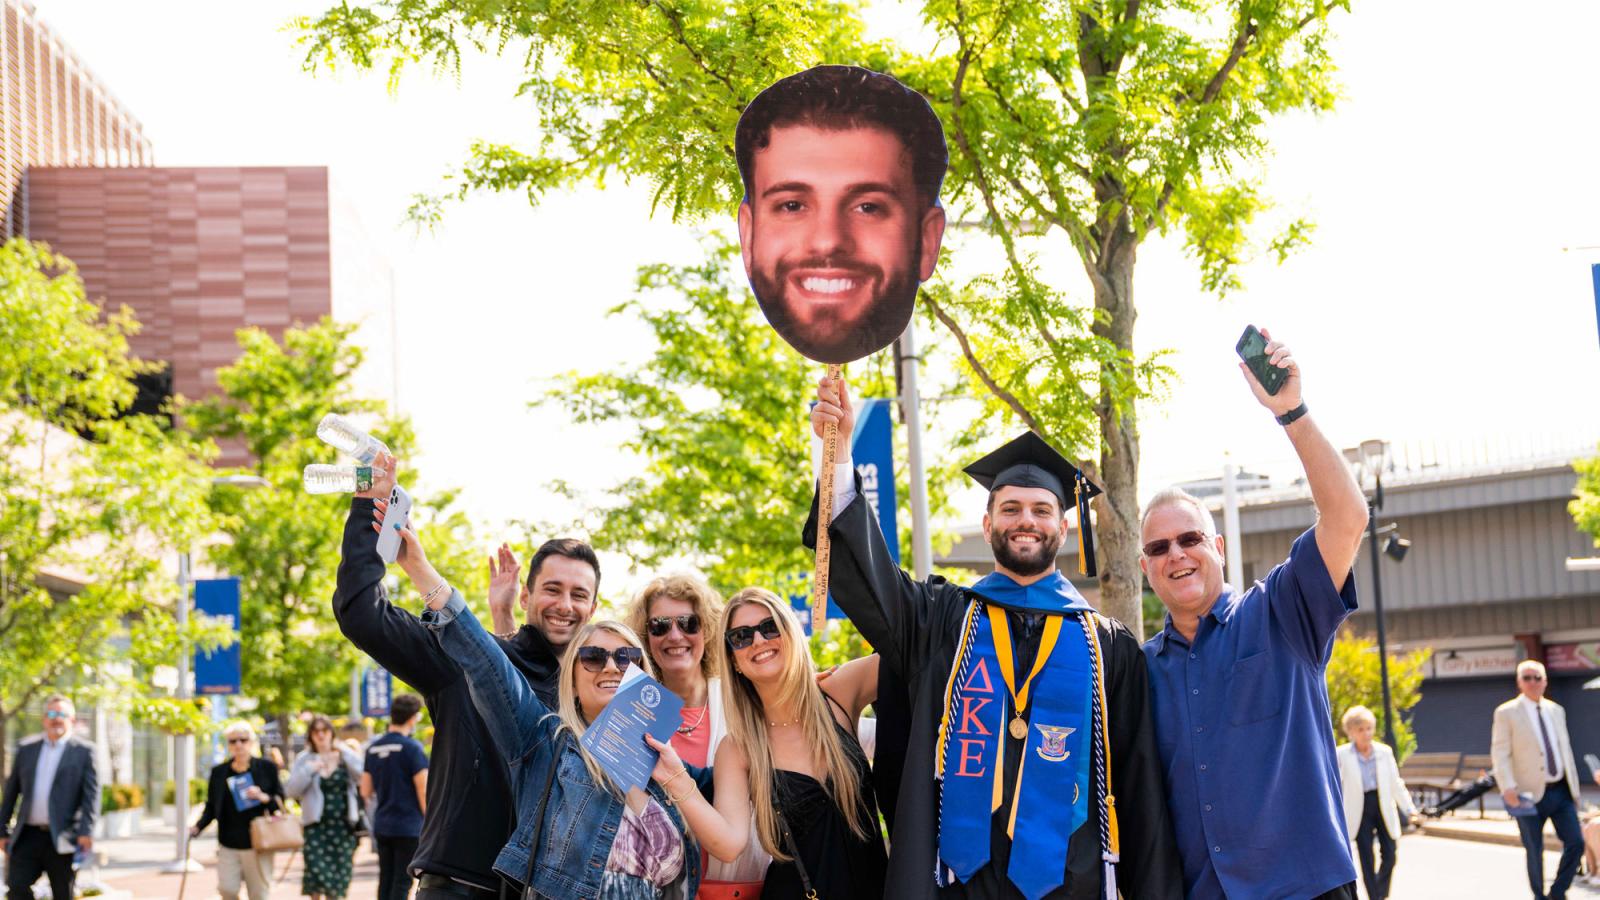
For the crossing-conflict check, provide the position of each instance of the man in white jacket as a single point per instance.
(1374, 798)
(1533, 758)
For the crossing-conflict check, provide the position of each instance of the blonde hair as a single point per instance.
(239, 726)
(1357, 714)
(693, 590)
(1177, 496)
(567, 694)
(797, 690)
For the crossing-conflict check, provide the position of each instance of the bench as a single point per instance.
(1431, 775)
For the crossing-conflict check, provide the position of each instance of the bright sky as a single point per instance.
(1437, 303)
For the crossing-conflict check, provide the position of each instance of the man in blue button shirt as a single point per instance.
(1237, 681)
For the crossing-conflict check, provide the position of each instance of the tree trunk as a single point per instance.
(1117, 510)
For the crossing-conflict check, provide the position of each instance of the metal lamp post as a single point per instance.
(183, 744)
(1373, 456)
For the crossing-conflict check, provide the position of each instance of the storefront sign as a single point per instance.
(1584, 657)
(1471, 663)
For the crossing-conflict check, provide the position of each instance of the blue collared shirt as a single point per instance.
(1242, 723)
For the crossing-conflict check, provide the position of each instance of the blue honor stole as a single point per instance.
(986, 701)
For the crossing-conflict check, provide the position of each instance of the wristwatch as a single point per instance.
(1292, 414)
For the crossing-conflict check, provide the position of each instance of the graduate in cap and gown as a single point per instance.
(1031, 769)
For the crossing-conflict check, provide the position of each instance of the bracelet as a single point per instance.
(428, 597)
(676, 801)
(683, 771)
(1293, 414)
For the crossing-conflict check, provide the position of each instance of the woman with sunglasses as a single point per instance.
(793, 762)
(679, 616)
(324, 778)
(593, 841)
(241, 787)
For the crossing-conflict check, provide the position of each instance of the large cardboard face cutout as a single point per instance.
(841, 221)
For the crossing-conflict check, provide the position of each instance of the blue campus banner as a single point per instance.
(217, 672)
(1594, 273)
(872, 451)
(377, 688)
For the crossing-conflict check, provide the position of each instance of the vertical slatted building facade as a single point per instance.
(53, 112)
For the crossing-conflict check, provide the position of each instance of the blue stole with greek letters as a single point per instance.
(1051, 797)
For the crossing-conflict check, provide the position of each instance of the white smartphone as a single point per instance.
(395, 519)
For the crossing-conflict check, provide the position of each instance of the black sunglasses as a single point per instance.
(661, 626)
(1188, 541)
(745, 635)
(594, 658)
(1532, 676)
(238, 740)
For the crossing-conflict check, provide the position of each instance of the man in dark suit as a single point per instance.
(54, 778)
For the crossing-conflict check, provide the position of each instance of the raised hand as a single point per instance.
(411, 554)
(1289, 395)
(505, 577)
(383, 477)
(833, 405)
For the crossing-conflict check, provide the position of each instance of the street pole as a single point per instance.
(1232, 543)
(183, 744)
(1373, 505)
(911, 412)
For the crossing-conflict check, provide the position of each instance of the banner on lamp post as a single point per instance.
(218, 671)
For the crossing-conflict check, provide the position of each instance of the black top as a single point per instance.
(233, 826)
(915, 625)
(839, 864)
(470, 810)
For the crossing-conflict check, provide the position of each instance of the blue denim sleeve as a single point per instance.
(1306, 606)
(514, 715)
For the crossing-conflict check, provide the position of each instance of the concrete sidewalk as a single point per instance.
(132, 867)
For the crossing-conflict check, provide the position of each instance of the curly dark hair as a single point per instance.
(844, 97)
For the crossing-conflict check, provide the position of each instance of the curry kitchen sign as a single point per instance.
(1472, 663)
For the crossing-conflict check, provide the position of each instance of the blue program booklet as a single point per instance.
(1525, 808)
(237, 785)
(616, 737)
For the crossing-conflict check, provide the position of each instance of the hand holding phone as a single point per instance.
(1252, 348)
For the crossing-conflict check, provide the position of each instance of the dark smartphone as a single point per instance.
(1252, 349)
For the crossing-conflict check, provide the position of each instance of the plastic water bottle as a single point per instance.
(344, 436)
(321, 478)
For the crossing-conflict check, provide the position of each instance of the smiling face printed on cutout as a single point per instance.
(840, 223)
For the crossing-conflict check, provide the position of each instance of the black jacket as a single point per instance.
(233, 826)
(470, 812)
(915, 625)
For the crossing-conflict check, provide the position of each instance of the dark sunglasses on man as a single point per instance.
(745, 635)
(1532, 676)
(661, 626)
(594, 658)
(1188, 541)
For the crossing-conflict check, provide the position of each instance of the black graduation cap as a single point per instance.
(1027, 461)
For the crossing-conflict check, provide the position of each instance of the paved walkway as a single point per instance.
(132, 868)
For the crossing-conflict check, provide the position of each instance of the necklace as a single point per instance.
(689, 729)
(782, 724)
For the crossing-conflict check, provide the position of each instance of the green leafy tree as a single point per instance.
(1353, 679)
(1080, 127)
(1585, 505)
(91, 500)
(283, 544)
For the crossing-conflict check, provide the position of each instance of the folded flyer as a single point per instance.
(616, 737)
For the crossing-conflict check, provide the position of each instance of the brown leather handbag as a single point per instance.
(276, 831)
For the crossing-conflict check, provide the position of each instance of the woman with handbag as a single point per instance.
(577, 835)
(324, 778)
(241, 789)
(679, 617)
(793, 763)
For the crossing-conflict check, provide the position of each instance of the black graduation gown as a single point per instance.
(915, 625)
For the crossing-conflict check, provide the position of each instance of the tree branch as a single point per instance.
(1005, 396)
